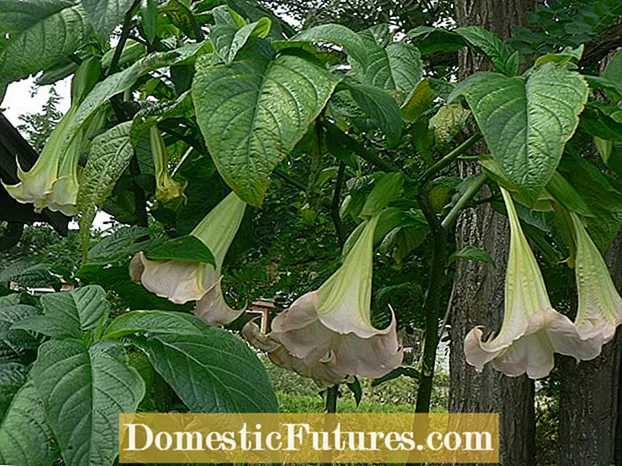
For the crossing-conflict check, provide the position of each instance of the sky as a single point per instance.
(19, 101)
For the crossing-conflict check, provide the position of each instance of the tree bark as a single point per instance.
(590, 429)
(479, 287)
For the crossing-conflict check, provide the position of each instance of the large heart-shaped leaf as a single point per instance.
(397, 67)
(40, 33)
(254, 111)
(105, 15)
(69, 314)
(83, 391)
(25, 437)
(339, 35)
(210, 369)
(526, 121)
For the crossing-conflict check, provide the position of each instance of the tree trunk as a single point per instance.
(590, 427)
(479, 287)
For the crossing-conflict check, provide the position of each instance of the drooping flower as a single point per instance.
(184, 281)
(53, 180)
(325, 373)
(37, 183)
(333, 323)
(532, 331)
(600, 305)
(167, 189)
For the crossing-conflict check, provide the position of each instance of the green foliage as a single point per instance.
(249, 128)
(527, 125)
(322, 128)
(60, 25)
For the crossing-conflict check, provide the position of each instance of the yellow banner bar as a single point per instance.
(308, 438)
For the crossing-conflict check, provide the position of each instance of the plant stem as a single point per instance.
(334, 211)
(331, 399)
(431, 308)
(125, 34)
(466, 198)
(290, 180)
(449, 158)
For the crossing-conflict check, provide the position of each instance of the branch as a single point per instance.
(449, 158)
(290, 180)
(125, 34)
(599, 47)
(334, 211)
(466, 198)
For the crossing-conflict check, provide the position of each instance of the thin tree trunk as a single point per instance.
(590, 429)
(478, 294)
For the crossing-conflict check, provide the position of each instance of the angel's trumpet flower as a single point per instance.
(183, 281)
(37, 183)
(325, 373)
(532, 331)
(333, 323)
(600, 305)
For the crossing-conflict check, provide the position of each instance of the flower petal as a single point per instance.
(301, 332)
(600, 305)
(369, 357)
(325, 373)
(178, 281)
(212, 307)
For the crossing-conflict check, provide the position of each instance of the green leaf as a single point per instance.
(614, 68)
(105, 15)
(527, 121)
(397, 67)
(84, 390)
(25, 437)
(184, 248)
(381, 108)
(385, 190)
(430, 40)
(124, 80)
(12, 376)
(228, 37)
(117, 246)
(155, 323)
(563, 192)
(357, 390)
(69, 314)
(110, 155)
(419, 101)
(603, 121)
(40, 33)
(493, 47)
(14, 341)
(601, 196)
(395, 373)
(149, 15)
(210, 369)
(448, 122)
(339, 35)
(471, 253)
(254, 111)
(566, 56)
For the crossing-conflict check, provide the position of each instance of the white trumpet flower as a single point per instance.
(333, 323)
(600, 305)
(532, 331)
(183, 281)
